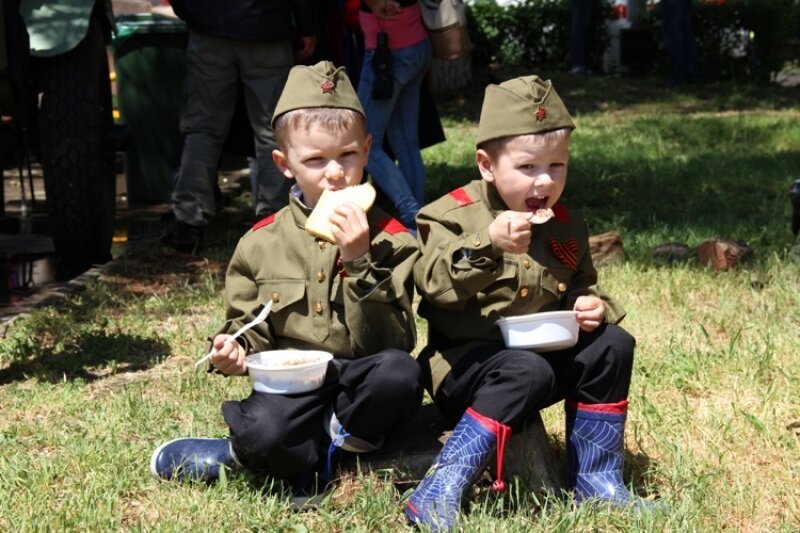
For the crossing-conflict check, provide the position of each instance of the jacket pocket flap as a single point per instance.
(282, 292)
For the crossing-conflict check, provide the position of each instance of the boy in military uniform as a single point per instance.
(483, 258)
(352, 299)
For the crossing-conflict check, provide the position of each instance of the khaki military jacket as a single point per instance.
(467, 283)
(351, 309)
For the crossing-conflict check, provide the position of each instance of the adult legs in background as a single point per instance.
(403, 130)
(263, 68)
(209, 99)
(679, 42)
(583, 16)
(397, 117)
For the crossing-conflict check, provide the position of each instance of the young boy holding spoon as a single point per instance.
(505, 246)
(347, 293)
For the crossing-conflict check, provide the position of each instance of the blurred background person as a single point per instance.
(676, 19)
(584, 15)
(397, 56)
(249, 42)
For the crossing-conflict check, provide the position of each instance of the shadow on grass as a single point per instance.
(93, 356)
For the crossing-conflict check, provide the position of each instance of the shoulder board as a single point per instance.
(561, 213)
(392, 226)
(461, 197)
(266, 221)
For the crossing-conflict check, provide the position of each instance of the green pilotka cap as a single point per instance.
(320, 85)
(521, 106)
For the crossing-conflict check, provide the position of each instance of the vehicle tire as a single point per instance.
(78, 167)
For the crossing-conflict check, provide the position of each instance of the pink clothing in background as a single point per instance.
(405, 30)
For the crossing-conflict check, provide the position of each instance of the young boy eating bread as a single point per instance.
(348, 293)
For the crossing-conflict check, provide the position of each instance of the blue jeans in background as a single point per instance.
(397, 118)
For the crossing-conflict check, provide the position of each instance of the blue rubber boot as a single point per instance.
(436, 502)
(194, 459)
(595, 444)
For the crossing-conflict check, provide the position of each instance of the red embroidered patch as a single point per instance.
(566, 252)
(541, 114)
(461, 197)
(392, 226)
(327, 86)
(266, 221)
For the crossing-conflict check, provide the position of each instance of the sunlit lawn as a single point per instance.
(89, 389)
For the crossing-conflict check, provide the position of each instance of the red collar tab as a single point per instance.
(561, 213)
(266, 221)
(392, 226)
(502, 433)
(461, 197)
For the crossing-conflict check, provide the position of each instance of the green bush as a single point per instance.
(737, 39)
(531, 32)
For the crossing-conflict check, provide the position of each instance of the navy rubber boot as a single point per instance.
(595, 443)
(436, 502)
(194, 459)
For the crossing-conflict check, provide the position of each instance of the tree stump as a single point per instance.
(530, 458)
(528, 454)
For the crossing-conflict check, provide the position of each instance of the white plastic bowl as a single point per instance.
(544, 332)
(287, 371)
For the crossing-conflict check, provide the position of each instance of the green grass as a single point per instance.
(89, 388)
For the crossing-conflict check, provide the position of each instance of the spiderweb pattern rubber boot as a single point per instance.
(436, 502)
(193, 459)
(595, 442)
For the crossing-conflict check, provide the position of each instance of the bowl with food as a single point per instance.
(543, 332)
(287, 371)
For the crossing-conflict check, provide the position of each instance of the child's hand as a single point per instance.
(229, 358)
(350, 228)
(590, 312)
(511, 231)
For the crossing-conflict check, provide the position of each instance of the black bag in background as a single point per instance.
(384, 71)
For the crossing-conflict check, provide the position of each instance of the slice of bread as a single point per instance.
(318, 223)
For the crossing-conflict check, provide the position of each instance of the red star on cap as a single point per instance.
(541, 114)
(327, 86)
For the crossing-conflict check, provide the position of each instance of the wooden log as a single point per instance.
(722, 254)
(606, 247)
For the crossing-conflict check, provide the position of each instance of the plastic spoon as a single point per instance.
(257, 320)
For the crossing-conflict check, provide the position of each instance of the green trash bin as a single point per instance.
(150, 58)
